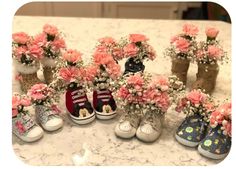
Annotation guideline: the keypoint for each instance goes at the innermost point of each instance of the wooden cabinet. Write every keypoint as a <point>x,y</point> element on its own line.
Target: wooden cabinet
<point>141,10</point>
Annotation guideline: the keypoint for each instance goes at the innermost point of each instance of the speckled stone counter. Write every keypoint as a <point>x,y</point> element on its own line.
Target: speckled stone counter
<point>96,143</point>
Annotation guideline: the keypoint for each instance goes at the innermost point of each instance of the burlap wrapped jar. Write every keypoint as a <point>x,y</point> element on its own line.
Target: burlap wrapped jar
<point>49,66</point>
<point>28,74</point>
<point>179,68</point>
<point>206,77</point>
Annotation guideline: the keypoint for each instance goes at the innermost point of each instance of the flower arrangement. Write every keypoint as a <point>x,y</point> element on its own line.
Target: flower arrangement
<point>110,46</point>
<point>24,50</point>
<point>222,116</point>
<point>41,94</point>
<point>18,104</point>
<point>69,70</point>
<point>184,45</point>
<point>50,41</point>
<point>141,90</point>
<point>210,51</point>
<point>103,71</point>
<point>196,102</point>
<point>131,91</point>
<point>136,46</point>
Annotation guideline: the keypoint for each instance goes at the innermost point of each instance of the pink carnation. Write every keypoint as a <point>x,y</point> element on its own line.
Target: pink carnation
<point>36,51</point>
<point>39,91</point>
<point>131,50</point>
<point>211,32</point>
<point>19,51</point>
<point>151,52</point>
<point>117,53</point>
<point>20,38</point>
<point>137,38</point>
<point>69,74</point>
<point>15,101</point>
<point>196,97</point>
<point>135,80</point>
<point>25,101</point>
<point>181,104</point>
<point>114,70</point>
<point>214,52</point>
<point>107,41</point>
<point>72,56</point>
<point>182,44</point>
<point>160,81</point>
<point>50,29</point>
<point>102,58</point>
<point>58,44</point>
<point>190,30</point>
<point>40,39</point>
<point>123,92</point>
<point>200,54</point>
<point>90,72</point>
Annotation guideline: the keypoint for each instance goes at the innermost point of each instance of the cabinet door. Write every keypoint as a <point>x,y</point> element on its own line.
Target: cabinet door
<point>72,9</point>
<point>77,9</point>
<point>142,10</point>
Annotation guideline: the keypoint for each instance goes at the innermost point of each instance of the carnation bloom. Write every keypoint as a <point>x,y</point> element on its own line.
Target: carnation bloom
<point>107,40</point>
<point>222,116</point>
<point>69,74</point>
<point>196,97</point>
<point>160,82</point>
<point>190,29</point>
<point>50,29</point>
<point>36,51</point>
<point>90,72</point>
<point>72,56</point>
<point>58,43</point>
<point>214,52</point>
<point>137,38</point>
<point>102,58</point>
<point>40,39</point>
<point>131,50</point>
<point>19,51</point>
<point>25,101</point>
<point>182,44</point>
<point>15,101</point>
<point>114,70</point>
<point>135,80</point>
<point>21,38</point>
<point>211,32</point>
<point>39,91</point>
<point>123,92</point>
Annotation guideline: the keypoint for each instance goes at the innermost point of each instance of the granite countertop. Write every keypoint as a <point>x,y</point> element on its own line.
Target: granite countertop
<point>96,143</point>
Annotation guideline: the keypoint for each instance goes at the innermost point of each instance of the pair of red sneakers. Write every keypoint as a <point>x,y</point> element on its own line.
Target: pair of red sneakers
<point>80,109</point>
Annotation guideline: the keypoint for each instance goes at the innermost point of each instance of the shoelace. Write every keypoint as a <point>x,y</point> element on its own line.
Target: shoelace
<point>23,124</point>
<point>133,117</point>
<point>78,96</point>
<point>104,95</point>
<point>152,119</point>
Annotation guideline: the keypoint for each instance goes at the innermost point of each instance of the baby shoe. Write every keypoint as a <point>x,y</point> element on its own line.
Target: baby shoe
<point>25,128</point>
<point>78,105</point>
<point>104,104</point>
<point>150,127</point>
<point>48,118</point>
<point>128,124</point>
<point>215,145</point>
<point>192,130</point>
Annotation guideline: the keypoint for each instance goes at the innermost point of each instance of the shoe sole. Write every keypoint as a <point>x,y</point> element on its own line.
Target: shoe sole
<point>29,140</point>
<point>105,116</point>
<point>186,142</point>
<point>52,128</point>
<point>211,155</point>
<point>85,120</point>
<point>123,134</point>
<point>146,137</point>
